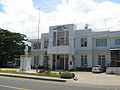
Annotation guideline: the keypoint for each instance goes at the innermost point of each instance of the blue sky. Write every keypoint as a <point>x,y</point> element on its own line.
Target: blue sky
<point>1,8</point>
<point>115,1</point>
<point>49,5</point>
<point>46,5</point>
<point>22,15</point>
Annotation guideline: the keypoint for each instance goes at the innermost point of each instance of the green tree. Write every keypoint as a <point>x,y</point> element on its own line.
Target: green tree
<point>46,61</point>
<point>11,46</point>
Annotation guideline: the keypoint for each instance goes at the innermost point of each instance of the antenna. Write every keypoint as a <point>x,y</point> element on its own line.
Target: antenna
<point>86,26</point>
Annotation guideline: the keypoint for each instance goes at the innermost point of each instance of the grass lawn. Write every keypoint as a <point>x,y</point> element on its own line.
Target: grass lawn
<point>35,74</point>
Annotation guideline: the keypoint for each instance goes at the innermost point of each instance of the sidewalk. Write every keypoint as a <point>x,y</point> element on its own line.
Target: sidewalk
<point>33,77</point>
<point>30,76</point>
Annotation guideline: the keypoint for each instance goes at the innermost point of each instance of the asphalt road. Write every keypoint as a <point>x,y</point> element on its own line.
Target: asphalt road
<point>9,83</point>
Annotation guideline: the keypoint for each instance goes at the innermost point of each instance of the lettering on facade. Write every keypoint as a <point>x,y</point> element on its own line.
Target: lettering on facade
<point>60,28</point>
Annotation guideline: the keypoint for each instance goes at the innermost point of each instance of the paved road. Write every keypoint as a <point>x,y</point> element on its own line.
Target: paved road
<point>8,83</point>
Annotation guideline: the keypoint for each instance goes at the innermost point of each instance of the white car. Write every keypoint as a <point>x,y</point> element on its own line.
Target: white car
<point>97,68</point>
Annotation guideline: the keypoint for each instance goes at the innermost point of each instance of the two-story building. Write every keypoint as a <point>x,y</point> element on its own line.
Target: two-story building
<point>69,48</point>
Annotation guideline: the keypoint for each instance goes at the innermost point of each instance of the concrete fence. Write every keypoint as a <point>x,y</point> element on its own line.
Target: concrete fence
<point>113,70</point>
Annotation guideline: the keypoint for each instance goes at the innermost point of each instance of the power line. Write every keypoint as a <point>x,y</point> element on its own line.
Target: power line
<point>51,6</point>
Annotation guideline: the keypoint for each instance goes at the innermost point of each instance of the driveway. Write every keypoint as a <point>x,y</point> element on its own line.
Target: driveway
<point>97,78</point>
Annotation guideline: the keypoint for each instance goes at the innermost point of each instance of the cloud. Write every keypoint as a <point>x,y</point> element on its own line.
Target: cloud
<point>21,16</point>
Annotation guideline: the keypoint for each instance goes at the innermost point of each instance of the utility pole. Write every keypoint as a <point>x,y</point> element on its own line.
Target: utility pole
<point>38,42</point>
<point>38,24</point>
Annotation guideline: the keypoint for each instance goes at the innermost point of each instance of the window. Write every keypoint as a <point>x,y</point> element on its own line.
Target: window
<point>61,38</point>
<point>117,41</point>
<point>101,42</point>
<point>83,42</point>
<point>67,38</point>
<point>36,58</point>
<point>54,38</point>
<point>37,45</point>
<point>46,43</point>
<point>84,60</point>
<point>101,60</point>
<point>74,41</point>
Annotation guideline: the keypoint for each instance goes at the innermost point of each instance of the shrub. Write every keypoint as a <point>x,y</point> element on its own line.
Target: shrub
<point>67,75</point>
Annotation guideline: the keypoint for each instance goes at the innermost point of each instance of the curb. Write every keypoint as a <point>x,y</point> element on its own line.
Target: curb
<point>31,77</point>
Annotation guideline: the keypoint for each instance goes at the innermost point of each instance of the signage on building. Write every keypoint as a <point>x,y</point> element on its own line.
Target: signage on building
<point>60,28</point>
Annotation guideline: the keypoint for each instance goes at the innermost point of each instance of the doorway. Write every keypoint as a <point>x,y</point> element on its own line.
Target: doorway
<point>60,61</point>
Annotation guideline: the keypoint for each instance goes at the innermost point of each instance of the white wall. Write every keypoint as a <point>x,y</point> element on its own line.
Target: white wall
<point>91,50</point>
<point>95,57</point>
<point>113,70</point>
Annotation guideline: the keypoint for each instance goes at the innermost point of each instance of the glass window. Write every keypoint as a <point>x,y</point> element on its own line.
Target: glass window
<point>83,42</point>
<point>54,39</point>
<point>62,38</point>
<point>74,41</point>
<point>36,45</point>
<point>67,38</point>
<point>46,43</point>
<point>84,60</point>
<point>36,58</point>
<point>101,42</point>
<point>117,41</point>
<point>101,60</point>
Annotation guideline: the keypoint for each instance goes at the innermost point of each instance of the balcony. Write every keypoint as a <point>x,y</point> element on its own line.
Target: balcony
<point>59,50</point>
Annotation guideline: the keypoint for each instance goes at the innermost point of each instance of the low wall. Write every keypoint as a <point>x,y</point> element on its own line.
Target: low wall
<point>113,70</point>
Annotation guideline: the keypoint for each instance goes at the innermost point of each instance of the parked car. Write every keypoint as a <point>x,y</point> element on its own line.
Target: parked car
<point>97,69</point>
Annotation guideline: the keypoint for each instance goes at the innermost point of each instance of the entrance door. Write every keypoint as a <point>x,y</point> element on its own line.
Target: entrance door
<point>62,63</point>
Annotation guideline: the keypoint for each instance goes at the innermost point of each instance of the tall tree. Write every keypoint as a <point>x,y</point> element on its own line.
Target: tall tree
<point>11,46</point>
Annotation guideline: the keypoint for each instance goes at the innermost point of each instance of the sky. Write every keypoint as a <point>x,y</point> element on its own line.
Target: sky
<point>22,15</point>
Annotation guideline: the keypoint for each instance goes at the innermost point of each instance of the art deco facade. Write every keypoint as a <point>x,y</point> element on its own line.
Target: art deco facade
<point>69,48</point>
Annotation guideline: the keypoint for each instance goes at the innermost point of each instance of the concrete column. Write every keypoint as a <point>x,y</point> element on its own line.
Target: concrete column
<point>64,62</point>
<point>89,59</point>
<point>51,61</point>
<point>70,60</point>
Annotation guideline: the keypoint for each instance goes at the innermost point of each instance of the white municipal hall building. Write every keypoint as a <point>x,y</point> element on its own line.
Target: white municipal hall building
<point>69,48</point>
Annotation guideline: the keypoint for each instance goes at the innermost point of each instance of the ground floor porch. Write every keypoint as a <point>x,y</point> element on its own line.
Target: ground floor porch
<point>69,61</point>
<point>55,61</point>
<point>60,61</point>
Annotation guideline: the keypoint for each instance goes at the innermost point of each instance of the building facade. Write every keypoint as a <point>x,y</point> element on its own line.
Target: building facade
<point>68,48</point>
